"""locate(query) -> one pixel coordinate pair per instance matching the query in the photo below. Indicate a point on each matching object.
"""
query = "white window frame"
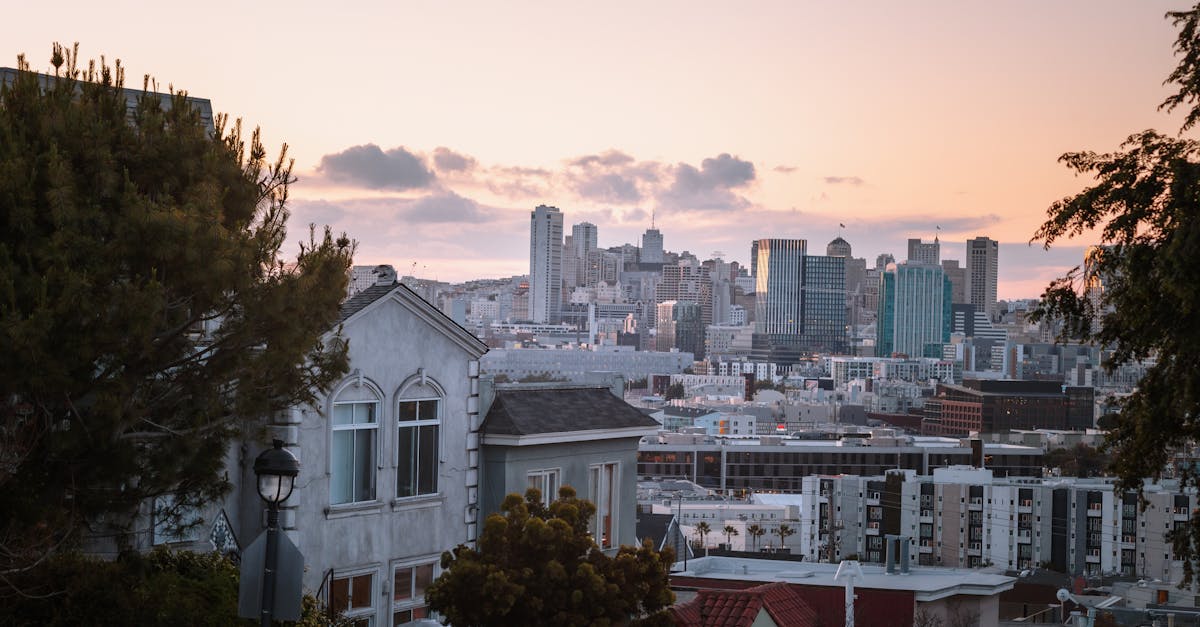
(413, 602)
(604, 492)
(416, 424)
(545, 477)
(366, 613)
(353, 426)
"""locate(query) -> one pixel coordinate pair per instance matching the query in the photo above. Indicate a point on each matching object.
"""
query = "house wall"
(394, 352)
(505, 470)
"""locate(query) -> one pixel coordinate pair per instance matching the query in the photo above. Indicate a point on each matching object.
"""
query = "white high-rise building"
(983, 269)
(545, 263)
(584, 236)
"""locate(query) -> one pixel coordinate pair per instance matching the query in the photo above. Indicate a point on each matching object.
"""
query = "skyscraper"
(585, 239)
(922, 252)
(915, 313)
(679, 326)
(652, 246)
(545, 263)
(983, 265)
(800, 301)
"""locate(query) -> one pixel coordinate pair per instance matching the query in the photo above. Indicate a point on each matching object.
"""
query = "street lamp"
(276, 469)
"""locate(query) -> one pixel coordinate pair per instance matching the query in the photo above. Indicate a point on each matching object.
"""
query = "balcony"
(1025, 506)
(926, 516)
(975, 549)
(872, 498)
(975, 504)
(1129, 539)
(1024, 535)
(1181, 514)
(873, 528)
(1095, 511)
(1092, 558)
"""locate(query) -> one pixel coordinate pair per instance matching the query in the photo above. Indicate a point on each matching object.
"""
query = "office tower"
(545, 263)
(883, 260)
(679, 326)
(800, 301)
(922, 252)
(689, 282)
(652, 246)
(958, 280)
(983, 264)
(584, 236)
(914, 316)
(838, 248)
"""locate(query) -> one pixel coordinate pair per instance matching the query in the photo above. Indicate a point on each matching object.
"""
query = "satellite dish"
(1063, 595)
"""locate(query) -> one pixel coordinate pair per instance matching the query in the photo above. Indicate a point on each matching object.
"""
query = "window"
(417, 450)
(355, 426)
(408, 592)
(602, 486)
(546, 481)
(351, 595)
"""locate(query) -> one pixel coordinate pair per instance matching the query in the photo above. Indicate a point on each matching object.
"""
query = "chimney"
(977, 452)
(904, 542)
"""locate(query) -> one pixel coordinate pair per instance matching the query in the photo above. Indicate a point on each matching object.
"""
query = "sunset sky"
(427, 131)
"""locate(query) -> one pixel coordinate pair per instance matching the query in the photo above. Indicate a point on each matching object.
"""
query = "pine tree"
(147, 314)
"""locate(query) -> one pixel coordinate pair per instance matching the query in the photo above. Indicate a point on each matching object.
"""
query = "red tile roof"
(739, 608)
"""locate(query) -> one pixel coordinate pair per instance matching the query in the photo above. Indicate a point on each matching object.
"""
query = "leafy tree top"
(538, 565)
(1140, 294)
(124, 233)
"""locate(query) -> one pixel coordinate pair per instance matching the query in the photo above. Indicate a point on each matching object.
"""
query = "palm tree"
(783, 531)
(755, 532)
(730, 531)
(702, 530)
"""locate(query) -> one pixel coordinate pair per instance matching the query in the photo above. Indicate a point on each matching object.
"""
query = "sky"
(427, 131)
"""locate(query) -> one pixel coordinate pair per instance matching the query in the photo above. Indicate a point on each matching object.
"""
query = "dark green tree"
(1140, 292)
(163, 587)
(538, 565)
(147, 313)
(674, 391)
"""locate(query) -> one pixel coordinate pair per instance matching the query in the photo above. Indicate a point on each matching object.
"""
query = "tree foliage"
(163, 587)
(125, 231)
(538, 565)
(674, 391)
(1141, 294)
(1080, 460)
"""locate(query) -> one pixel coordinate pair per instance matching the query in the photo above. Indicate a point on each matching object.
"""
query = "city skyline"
(428, 133)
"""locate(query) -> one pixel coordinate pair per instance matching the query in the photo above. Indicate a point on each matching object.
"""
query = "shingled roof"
(739, 608)
(360, 300)
(539, 411)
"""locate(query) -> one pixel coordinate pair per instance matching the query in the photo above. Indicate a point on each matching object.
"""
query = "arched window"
(418, 437)
(354, 443)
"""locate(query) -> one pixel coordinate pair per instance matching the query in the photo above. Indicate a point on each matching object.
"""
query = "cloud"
(444, 207)
(710, 186)
(611, 177)
(843, 180)
(784, 169)
(372, 167)
(446, 160)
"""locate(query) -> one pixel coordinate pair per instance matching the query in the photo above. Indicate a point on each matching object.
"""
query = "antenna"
(651, 218)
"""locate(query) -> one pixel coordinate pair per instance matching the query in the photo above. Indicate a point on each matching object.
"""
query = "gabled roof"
(739, 608)
(531, 412)
(354, 306)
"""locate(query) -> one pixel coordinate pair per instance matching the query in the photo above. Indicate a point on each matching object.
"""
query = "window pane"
(406, 475)
(402, 587)
(399, 618)
(424, 577)
(343, 414)
(428, 410)
(407, 411)
(551, 492)
(420, 612)
(427, 459)
(364, 464)
(339, 594)
(360, 592)
(342, 467)
(364, 413)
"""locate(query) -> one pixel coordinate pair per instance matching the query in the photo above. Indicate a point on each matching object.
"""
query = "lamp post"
(276, 469)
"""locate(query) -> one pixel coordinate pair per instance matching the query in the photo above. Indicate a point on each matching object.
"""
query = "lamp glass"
(275, 488)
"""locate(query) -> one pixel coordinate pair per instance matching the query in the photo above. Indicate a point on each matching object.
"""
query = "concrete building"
(652, 247)
(581, 366)
(983, 272)
(680, 327)
(545, 263)
(800, 301)
(925, 252)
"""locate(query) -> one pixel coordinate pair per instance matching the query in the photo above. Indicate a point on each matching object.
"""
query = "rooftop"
(539, 411)
(927, 583)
